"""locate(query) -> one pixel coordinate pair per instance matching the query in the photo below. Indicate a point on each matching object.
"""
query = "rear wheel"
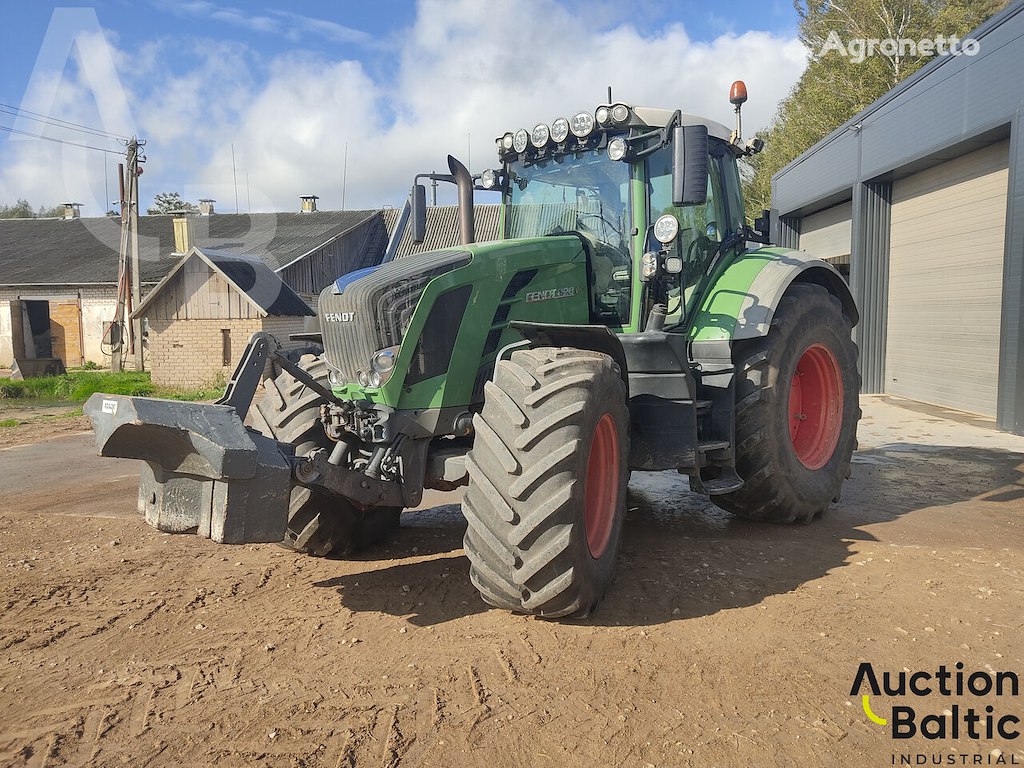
(797, 410)
(318, 524)
(547, 490)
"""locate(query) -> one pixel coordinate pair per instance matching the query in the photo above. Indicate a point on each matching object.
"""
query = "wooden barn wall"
(322, 267)
(196, 292)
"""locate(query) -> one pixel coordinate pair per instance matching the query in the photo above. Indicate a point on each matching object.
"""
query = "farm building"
(201, 315)
(922, 193)
(58, 277)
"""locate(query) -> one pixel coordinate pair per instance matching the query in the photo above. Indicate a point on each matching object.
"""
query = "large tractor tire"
(318, 524)
(797, 411)
(547, 482)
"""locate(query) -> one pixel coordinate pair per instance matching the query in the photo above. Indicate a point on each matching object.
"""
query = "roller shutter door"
(945, 282)
(826, 234)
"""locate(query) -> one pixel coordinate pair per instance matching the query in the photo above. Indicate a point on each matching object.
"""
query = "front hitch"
(203, 470)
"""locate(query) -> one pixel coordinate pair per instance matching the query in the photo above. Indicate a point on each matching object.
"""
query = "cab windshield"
(583, 192)
(587, 194)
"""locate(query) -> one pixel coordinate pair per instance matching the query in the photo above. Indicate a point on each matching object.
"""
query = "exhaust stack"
(464, 182)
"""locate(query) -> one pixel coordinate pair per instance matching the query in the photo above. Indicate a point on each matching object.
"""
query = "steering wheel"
(609, 222)
(703, 245)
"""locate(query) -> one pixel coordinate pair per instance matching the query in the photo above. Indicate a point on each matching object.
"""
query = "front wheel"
(547, 490)
(318, 524)
(797, 410)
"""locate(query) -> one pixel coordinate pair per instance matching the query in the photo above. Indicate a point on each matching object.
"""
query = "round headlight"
(582, 124)
(666, 228)
(506, 141)
(335, 378)
(559, 130)
(540, 135)
(620, 114)
(648, 266)
(488, 179)
(383, 361)
(617, 148)
(374, 379)
(520, 140)
(362, 378)
(602, 115)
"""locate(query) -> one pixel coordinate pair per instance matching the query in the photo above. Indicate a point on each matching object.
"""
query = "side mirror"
(763, 223)
(689, 165)
(419, 213)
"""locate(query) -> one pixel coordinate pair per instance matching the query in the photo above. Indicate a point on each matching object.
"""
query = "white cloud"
(463, 70)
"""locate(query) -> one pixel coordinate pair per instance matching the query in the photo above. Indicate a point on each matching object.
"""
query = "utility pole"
(129, 288)
(116, 331)
(344, 177)
(135, 171)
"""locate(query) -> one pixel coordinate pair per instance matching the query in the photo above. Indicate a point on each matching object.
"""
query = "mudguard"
(741, 303)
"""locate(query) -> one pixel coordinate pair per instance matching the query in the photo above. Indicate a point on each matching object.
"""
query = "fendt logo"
(339, 317)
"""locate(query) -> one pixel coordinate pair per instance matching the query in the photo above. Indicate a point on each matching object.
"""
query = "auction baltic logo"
(953, 722)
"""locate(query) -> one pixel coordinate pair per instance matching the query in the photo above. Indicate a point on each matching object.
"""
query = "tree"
(170, 202)
(20, 210)
(835, 87)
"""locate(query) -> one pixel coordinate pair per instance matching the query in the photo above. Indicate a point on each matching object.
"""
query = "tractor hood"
(370, 309)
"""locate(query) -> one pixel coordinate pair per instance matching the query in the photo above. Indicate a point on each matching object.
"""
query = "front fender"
(744, 297)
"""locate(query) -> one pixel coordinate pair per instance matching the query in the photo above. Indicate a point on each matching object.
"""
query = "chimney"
(71, 210)
(206, 206)
(308, 203)
(183, 238)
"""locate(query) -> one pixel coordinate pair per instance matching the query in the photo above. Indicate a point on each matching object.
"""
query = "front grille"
(373, 311)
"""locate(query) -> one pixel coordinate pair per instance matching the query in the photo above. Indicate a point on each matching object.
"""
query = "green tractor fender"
(596, 338)
(743, 298)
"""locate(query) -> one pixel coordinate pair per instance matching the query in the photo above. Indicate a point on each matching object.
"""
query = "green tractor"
(620, 323)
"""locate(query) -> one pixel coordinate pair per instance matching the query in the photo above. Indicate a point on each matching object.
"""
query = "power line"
(58, 122)
(59, 141)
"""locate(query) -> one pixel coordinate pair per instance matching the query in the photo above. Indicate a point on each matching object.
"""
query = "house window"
(225, 345)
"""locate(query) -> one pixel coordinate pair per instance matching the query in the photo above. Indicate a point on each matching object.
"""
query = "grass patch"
(77, 386)
(9, 422)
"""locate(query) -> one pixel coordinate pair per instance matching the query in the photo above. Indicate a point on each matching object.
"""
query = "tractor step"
(702, 406)
(722, 485)
(708, 446)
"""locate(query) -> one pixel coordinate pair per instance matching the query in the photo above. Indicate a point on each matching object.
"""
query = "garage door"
(826, 234)
(945, 282)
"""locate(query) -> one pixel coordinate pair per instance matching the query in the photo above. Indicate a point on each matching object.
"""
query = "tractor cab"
(653, 195)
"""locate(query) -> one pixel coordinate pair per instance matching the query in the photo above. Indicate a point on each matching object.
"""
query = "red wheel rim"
(602, 486)
(816, 406)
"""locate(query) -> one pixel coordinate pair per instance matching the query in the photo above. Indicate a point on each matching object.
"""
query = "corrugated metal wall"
(869, 279)
(826, 234)
(946, 282)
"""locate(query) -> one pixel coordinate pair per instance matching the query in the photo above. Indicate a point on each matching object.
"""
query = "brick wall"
(189, 353)
(97, 303)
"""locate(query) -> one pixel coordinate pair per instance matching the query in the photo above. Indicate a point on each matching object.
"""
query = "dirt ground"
(721, 643)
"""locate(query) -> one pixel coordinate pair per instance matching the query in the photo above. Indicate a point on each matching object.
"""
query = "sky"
(254, 104)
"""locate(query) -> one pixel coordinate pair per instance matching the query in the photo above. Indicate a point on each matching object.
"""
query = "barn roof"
(85, 251)
(443, 227)
(249, 275)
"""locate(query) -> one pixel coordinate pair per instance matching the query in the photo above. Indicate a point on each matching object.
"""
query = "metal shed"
(924, 190)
